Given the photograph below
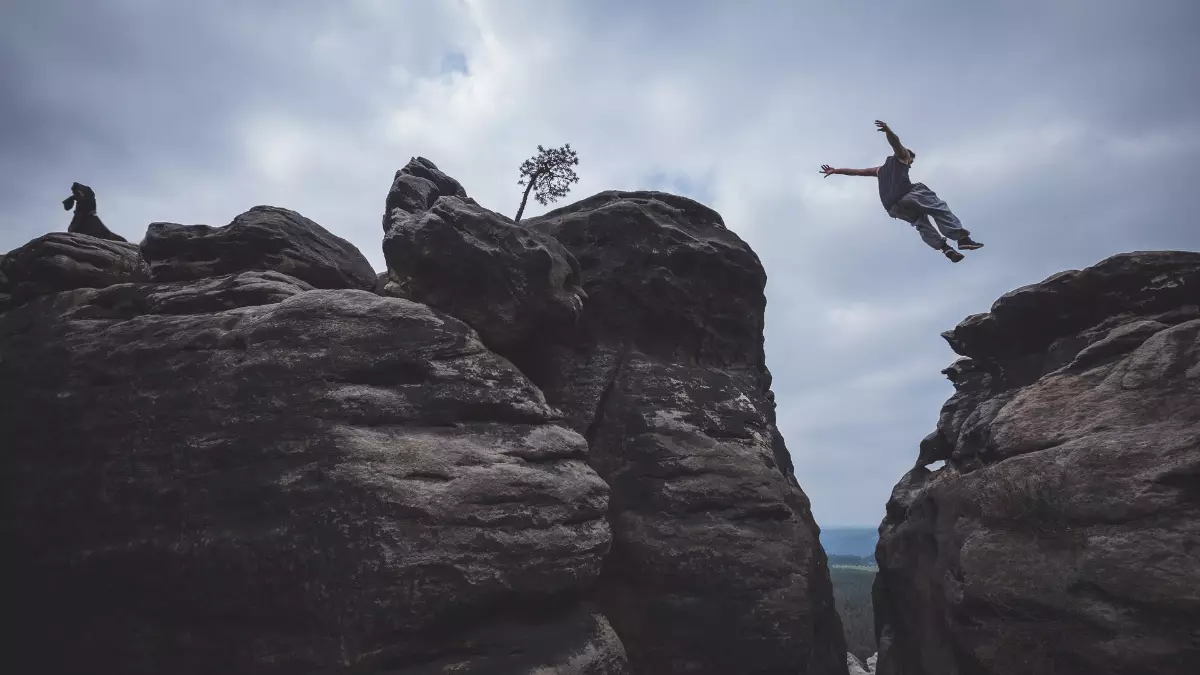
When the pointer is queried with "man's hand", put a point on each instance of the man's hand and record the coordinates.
(828, 170)
(893, 139)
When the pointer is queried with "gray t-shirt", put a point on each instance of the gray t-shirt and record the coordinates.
(893, 181)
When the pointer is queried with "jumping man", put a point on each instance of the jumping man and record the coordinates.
(911, 202)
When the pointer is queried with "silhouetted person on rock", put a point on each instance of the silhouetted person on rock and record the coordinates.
(911, 202)
(85, 220)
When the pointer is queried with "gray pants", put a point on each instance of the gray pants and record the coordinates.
(921, 204)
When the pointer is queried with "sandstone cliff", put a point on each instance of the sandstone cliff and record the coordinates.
(525, 449)
(1062, 536)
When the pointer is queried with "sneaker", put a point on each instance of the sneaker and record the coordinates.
(953, 255)
(968, 244)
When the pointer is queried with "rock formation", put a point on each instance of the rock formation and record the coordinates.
(506, 281)
(1062, 536)
(716, 566)
(263, 238)
(240, 450)
(62, 261)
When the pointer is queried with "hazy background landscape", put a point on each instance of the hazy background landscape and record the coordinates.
(851, 552)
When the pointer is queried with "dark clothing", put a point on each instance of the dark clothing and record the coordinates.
(90, 224)
(85, 220)
(921, 204)
(893, 182)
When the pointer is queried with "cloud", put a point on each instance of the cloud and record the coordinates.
(1060, 133)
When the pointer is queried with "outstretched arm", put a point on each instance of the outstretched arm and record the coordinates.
(893, 139)
(829, 171)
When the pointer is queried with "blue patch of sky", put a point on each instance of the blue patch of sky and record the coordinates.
(454, 62)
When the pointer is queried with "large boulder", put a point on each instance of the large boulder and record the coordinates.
(663, 271)
(1061, 536)
(263, 238)
(417, 187)
(242, 474)
(716, 565)
(506, 281)
(63, 261)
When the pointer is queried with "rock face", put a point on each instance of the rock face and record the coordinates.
(261, 457)
(263, 238)
(62, 261)
(1063, 534)
(507, 281)
(658, 361)
(244, 474)
(715, 566)
(417, 187)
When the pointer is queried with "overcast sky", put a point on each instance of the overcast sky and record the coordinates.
(1060, 132)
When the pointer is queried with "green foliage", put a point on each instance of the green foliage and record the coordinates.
(548, 174)
(852, 597)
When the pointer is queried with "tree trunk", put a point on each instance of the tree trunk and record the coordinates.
(524, 197)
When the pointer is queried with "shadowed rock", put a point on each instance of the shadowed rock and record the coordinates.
(506, 281)
(263, 238)
(1061, 537)
(417, 187)
(85, 220)
(244, 475)
(664, 273)
(63, 261)
(716, 566)
(250, 466)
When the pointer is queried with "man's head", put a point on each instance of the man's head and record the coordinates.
(82, 194)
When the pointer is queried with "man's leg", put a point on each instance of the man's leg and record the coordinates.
(929, 203)
(928, 233)
(909, 211)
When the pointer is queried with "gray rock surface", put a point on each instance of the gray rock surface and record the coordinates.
(1063, 535)
(62, 261)
(263, 238)
(506, 281)
(269, 459)
(417, 187)
(857, 667)
(715, 566)
(246, 475)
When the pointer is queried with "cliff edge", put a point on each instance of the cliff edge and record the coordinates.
(1062, 535)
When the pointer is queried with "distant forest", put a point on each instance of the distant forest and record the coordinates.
(851, 553)
(852, 596)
